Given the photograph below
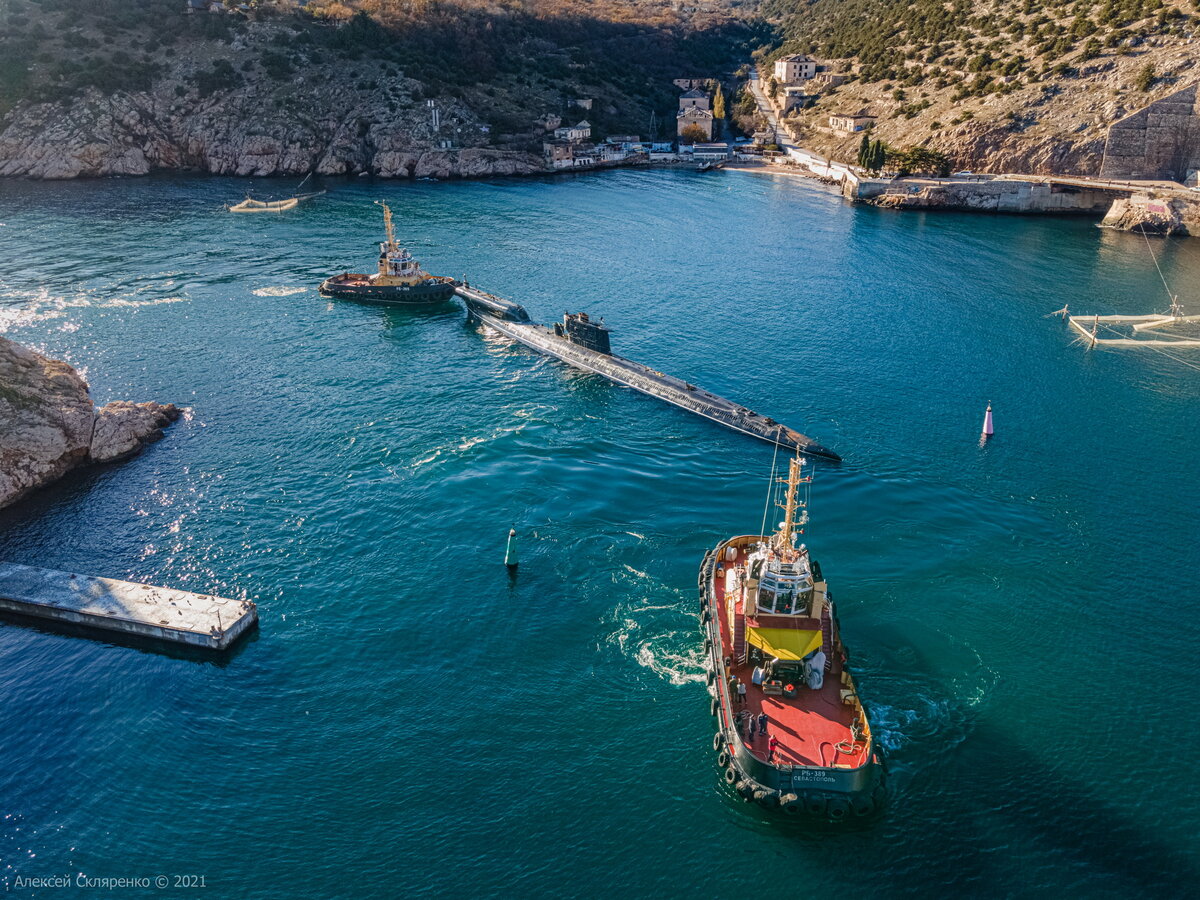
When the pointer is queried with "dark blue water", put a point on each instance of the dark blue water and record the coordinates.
(409, 720)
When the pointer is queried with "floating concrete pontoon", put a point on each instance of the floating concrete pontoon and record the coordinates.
(124, 607)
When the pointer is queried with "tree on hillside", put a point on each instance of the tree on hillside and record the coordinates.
(920, 160)
(719, 104)
(1145, 78)
(864, 150)
(876, 156)
(772, 87)
(692, 134)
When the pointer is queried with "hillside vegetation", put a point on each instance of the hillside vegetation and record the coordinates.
(1027, 84)
(508, 61)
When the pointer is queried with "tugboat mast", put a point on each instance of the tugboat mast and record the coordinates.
(387, 225)
(786, 535)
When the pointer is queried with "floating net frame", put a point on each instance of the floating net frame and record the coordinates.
(1089, 327)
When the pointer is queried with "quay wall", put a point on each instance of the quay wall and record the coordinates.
(990, 195)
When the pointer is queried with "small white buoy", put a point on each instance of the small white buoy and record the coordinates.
(987, 422)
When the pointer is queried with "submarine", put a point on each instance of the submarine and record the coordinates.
(584, 343)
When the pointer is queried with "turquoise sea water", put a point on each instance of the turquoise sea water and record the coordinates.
(411, 721)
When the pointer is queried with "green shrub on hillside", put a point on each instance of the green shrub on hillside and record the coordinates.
(1144, 79)
(958, 34)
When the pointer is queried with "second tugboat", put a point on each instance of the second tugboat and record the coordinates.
(791, 732)
(400, 280)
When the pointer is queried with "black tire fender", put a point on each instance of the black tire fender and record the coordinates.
(837, 809)
(723, 759)
(766, 799)
(731, 775)
(718, 741)
(863, 805)
(791, 804)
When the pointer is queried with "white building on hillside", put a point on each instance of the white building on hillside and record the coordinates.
(795, 68)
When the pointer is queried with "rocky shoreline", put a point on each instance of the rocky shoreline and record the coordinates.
(49, 426)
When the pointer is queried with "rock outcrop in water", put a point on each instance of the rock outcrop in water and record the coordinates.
(1154, 215)
(48, 425)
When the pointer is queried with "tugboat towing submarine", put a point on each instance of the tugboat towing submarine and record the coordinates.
(583, 343)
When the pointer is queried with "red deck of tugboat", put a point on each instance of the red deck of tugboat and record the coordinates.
(809, 726)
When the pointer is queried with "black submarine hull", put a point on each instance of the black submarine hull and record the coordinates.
(511, 320)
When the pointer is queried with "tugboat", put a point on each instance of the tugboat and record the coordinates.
(792, 734)
(400, 280)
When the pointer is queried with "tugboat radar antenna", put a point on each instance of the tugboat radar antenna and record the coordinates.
(387, 223)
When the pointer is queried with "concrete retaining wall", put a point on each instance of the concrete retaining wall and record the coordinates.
(998, 195)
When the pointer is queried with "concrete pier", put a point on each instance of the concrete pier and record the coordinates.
(108, 606)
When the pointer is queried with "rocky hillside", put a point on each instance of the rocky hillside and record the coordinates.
(48, 425)
(1000, 85)
(95, 87)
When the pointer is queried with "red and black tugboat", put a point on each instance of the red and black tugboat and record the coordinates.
(791, 733)
(400, 280)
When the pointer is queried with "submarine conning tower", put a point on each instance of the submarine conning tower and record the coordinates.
(578, 328)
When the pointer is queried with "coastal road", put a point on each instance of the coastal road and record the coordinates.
(786, 144)
(768, 111)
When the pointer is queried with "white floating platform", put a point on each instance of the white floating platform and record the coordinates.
(124, 607)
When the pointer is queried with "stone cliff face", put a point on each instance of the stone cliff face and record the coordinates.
(48, 425)
(255, 129)
(988, 148)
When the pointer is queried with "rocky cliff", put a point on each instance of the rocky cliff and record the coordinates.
(246, 131)
(340, 87)
(48, 425)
